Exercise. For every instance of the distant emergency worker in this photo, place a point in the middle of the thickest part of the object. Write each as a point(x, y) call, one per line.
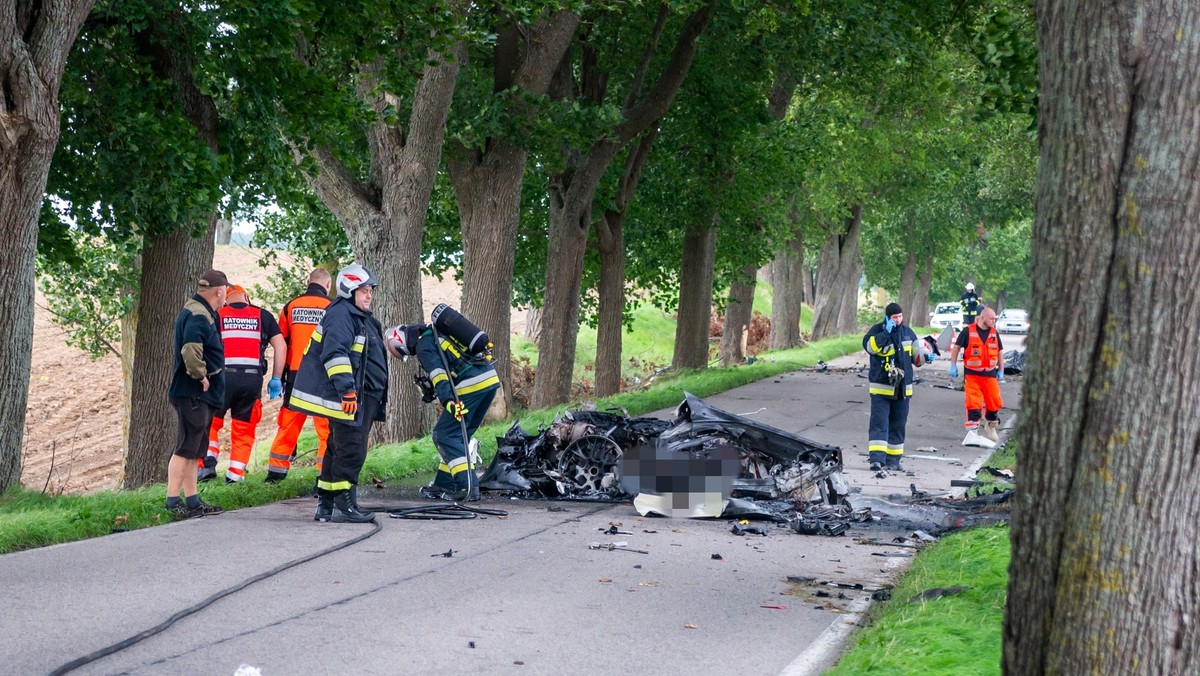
point(457, 359)
point(971, 305)
point(983, 363)
point(343, 376)
point(246, 330)
point(297, 321)
point(894, 350)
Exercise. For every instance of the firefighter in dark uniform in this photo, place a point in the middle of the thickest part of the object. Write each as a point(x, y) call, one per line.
point(465, 393)
point(246, 331)
point(343, 376)
point(971, 304)
point(894, 350)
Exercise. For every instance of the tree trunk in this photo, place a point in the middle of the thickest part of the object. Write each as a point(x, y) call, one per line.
point(35, 38)
point(171, 264)
point(836, 272)
point(920, 307)
point(1105, 571)
point(571, 194)
point(610, 241)
point(533, 324)
point(695, 297)
point(788, 273)
point(908, 289)
point(224, 231)
point(1000, 302)
point(385, 233)
point(487, 185)
point(847, 320)
point(738, 315)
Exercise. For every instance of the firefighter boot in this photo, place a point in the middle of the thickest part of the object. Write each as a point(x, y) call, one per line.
point(324, 508)
point(344, 511)
point(893, 463)
point(992, 430)
point(354, 501)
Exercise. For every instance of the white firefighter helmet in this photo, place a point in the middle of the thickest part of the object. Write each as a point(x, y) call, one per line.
point(353, 276)
point(970, 286)
point(401, 341)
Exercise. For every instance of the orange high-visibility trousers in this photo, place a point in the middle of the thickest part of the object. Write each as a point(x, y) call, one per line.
point(284, 446)
point(981, 395)
point(241, 441)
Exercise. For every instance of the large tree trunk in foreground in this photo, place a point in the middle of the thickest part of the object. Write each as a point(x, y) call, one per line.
point(35, 38)
point(171, 264)
point(1105, 572)
point(839, 262)
point(695, 297)
point(738, 314)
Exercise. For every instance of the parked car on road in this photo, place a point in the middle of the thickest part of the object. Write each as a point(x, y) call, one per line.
point(1013, 321)
point(946, 314)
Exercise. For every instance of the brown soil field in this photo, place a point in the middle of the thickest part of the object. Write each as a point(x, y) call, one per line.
point(73, 423)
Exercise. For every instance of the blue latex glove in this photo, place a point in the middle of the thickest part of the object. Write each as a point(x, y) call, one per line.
point(930, 357)
point(274, 388)
point(889, 325)
point(954, 370)
point(1001, 375)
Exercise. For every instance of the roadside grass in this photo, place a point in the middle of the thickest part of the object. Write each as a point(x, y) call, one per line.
point(956, 634)
point(959, 634)
point(29, 519)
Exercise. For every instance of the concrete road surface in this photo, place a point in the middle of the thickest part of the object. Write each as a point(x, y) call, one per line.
point(521, 594)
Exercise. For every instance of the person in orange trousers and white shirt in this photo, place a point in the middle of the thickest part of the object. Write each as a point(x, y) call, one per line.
point(297, 320)
point(983, 363)
point(246, 330)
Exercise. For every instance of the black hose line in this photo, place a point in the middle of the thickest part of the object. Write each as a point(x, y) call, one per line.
point(451, 512)
point(191, 610)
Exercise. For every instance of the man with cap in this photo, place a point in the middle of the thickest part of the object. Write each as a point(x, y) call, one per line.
point(343, 376)
point(894, 350)
point(197, 389)
point(246, 330)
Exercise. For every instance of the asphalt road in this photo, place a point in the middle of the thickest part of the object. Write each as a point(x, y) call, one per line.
point(521, 594)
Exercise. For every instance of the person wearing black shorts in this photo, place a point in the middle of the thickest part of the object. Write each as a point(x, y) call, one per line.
point(197, 389)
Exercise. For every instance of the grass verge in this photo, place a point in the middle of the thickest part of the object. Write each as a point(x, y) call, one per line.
point(955, 634)
point(29, 519)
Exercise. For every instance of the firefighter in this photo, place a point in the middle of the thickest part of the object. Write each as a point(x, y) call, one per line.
point(465, 403)
point(894, 350)
point(970, 304)
point(246, 330)
point(297, 321)
point(343, 376)
point(983, 363)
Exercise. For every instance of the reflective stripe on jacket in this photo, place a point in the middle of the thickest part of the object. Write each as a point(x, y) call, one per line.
point(982, 355)
point(470, 374)
point(298, 319)
point(887, 351)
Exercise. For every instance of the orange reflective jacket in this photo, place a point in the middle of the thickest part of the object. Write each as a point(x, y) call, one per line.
point(298, 319)
point(982, 355)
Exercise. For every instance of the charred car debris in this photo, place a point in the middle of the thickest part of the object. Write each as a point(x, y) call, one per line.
point(705, 462)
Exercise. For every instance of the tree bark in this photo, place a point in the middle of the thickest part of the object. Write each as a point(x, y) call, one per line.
point(1105, 571)
point(35, 38)
point(224, 231)
point(695, 297)
point(171, 264)
point(836, 272)
point(847, 319)
point(788, 273)
point(908, 290)
point(610, 241)
point(571, 194)
point(738, 314)
point(920, 307)
point(487, 185)
point(385, 219)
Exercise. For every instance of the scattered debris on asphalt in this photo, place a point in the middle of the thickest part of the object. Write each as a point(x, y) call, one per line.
point(449, 553)
point(616, 547)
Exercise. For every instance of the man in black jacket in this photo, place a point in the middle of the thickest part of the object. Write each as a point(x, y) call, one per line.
point(197, 390)
point(894, 350)
point(343, 376)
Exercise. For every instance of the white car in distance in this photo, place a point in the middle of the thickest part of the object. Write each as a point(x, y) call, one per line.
point(946, 314)
point(1013, 321)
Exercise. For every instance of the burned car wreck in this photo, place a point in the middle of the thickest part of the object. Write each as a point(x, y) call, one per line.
point(705, 462)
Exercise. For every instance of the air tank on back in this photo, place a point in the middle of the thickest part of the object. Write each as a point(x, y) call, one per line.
point(450, 322)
